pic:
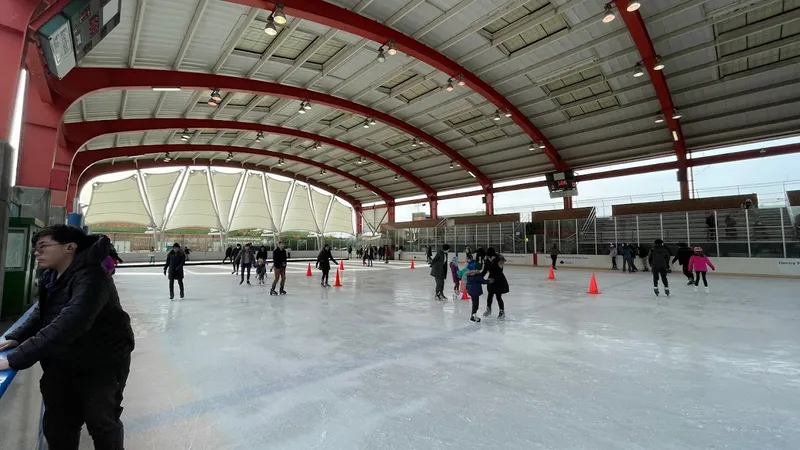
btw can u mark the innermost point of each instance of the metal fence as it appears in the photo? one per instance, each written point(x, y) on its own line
point(507, 237)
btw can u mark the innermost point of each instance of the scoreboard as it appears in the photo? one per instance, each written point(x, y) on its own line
point(562, 184)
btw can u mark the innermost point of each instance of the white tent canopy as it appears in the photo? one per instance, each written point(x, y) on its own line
point(206, 198)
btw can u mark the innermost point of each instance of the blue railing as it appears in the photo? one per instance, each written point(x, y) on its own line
point(7, 376)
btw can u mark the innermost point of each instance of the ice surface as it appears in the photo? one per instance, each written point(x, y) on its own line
point(378, 364)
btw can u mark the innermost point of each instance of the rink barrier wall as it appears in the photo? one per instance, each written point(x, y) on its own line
point(764, 267)
point(143, 257)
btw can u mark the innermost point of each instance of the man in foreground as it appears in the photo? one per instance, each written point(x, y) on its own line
point(81, 336)
point(279, 260)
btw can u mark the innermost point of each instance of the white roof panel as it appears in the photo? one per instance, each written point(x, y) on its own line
point(195, 207)
point(299, 215)
point(159, 187)
point(340, 219)
point(252, 212)
point(117, 201)
point(225, 185)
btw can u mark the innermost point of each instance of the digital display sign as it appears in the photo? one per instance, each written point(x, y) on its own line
point(562, 184)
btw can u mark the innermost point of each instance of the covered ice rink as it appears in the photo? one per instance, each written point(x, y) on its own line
point(379, 364)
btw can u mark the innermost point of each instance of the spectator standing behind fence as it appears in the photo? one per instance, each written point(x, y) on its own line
point(82, 338)
point(711, 224)
point(730, 227)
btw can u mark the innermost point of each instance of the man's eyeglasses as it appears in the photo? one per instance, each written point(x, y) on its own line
point(39, 248)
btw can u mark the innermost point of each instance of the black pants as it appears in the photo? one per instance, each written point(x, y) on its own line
point(500, 303)
point(687, 273)
point(613, 262)
point(227, 257)
point(475, 303)
point(246, 267)
point(439, 285)
point(325, 273)
point(94, 398)
point(172, 286)
point(697, 278)
point(662, 272)
point(235, 267)
point(554, 258)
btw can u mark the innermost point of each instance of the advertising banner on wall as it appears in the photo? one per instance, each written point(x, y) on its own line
point(789, 267)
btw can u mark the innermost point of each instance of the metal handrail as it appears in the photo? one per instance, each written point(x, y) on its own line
point(7, 376)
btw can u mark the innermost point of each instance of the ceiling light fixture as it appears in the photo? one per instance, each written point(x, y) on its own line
point(609, 14)
point(449, 87)
point(360, 160)
point(259, 136)
point(230, 157)
point(508, 113)
point(322, 172)
point(658, 65)
point(633, 5)
point(185, 135)
point(414, 142)
point(215, 95)
point(532, 147)
point(302, 110)
point(674, 135)
point(638, 71)
point(212, 102)
point(317, 146)
point(460, 79)
point(496, 115)
point(167, 158)
point(452, 166)
point(307, 105)
point(381, 56)
point(372, 121)
point(270, 27)
point(541, 145)
point(366, 124)
point(676, 114)
point(357, 186)
point(391, 50)
point(659, 118)
point(396, 177)
point(278, 15)
point(166, 89)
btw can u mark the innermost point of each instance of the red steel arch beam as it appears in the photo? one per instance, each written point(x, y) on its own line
point(333, 16)
point(79, 133)
point(83, 81)
point(88, 157)
point(640, 36)
point(103, 169)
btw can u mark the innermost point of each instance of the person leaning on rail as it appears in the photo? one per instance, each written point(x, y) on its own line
point(80, 335)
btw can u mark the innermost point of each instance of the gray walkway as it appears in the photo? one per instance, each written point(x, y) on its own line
point(377, 364)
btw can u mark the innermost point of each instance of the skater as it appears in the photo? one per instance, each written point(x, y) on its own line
point(499, 285)
point(659, 261)
point(324, 264)
point(439, 271)
point(261, 270)
point(643, 252)
point(683, 256)
point(173, 268)
point(228, 254)
point(428, 254)
point(370, 255)
point(349, 252)
point(279, 266)
point(613, 254)
point(81, 337)
point(234, 261)
point(468, 252)
point(381, 251)
point(262, 253)
point(247, 258)
point(699, 263)
point(474, 286)
point(480, 255)
point(152, 255)
point(627, 258)
point(553, 255)
point(454, 271)
point(387, 253)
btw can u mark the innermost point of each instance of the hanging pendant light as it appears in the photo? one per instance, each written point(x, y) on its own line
point(609, 14)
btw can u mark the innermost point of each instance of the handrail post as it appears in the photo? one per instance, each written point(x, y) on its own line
point(747, 230)
point(638, 239)
point(688, 233)
point(596, 250)
point(544, 241)
point(661, 224)
point(577, 239)
point(559, 234)
point(615, 231)
point(716, 233)
point(783, 235)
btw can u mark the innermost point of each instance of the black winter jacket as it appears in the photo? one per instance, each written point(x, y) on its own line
point(324, 260)
point(279, 258)
point(78, 324)
point(174, 265)
point(683, 255)
point(659, 257)
point(494, 267)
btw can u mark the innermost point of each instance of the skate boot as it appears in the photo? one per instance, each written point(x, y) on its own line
point(475, 318)
point(690, 282)
point(707, 290)
point(273, 292)
point(695, 289)
point(248, 283)
point(240, 283)
point(655, 290)
point(666, 291)
point(322, 284)
point(502, 315)
point(282, 292)
point(488, 312)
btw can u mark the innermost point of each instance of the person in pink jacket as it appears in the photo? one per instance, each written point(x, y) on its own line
point(699, 264)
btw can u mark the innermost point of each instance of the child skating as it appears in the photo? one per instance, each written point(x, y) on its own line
point(699, 264)
point(454, 272)
point(659, 262)
point(261, 271)
point(474, 286)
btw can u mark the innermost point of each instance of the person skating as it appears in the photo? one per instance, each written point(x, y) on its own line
point(173, 269)
point(387, 253)
point(474, 286)
point(279, 261)
point(439, 271)
point(699, 264)
point(643, 252)
point(262, 253)
point(480, 254)
point(261, 270)
point(324, 264)
point(80, 335)
point(228, 254)
point(349, 252)
point(612, 252)
point(247, 259)
point(234, 254)
point(454, 271)
point(553, 255)
point(428, 254)
point(499, 285)
point(468, 253)
point(659, 262)
point(683, 256)
point(370, 255)
point(152, 255)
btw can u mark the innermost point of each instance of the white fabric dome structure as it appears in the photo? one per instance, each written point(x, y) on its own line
point(202, 197)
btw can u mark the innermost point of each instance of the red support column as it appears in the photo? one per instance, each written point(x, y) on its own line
point(489, 202)
point(359, 219)
point(390, 213)
point(14, 19)
point(567, 202)
point(434, 207)
point(44, 159)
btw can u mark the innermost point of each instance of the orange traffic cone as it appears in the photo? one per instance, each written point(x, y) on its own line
point(593, 285)
point(551, 275)
point(308, 272)
point(338, 282)
point(341, 265)
point(463, 288)
point(412, 264)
